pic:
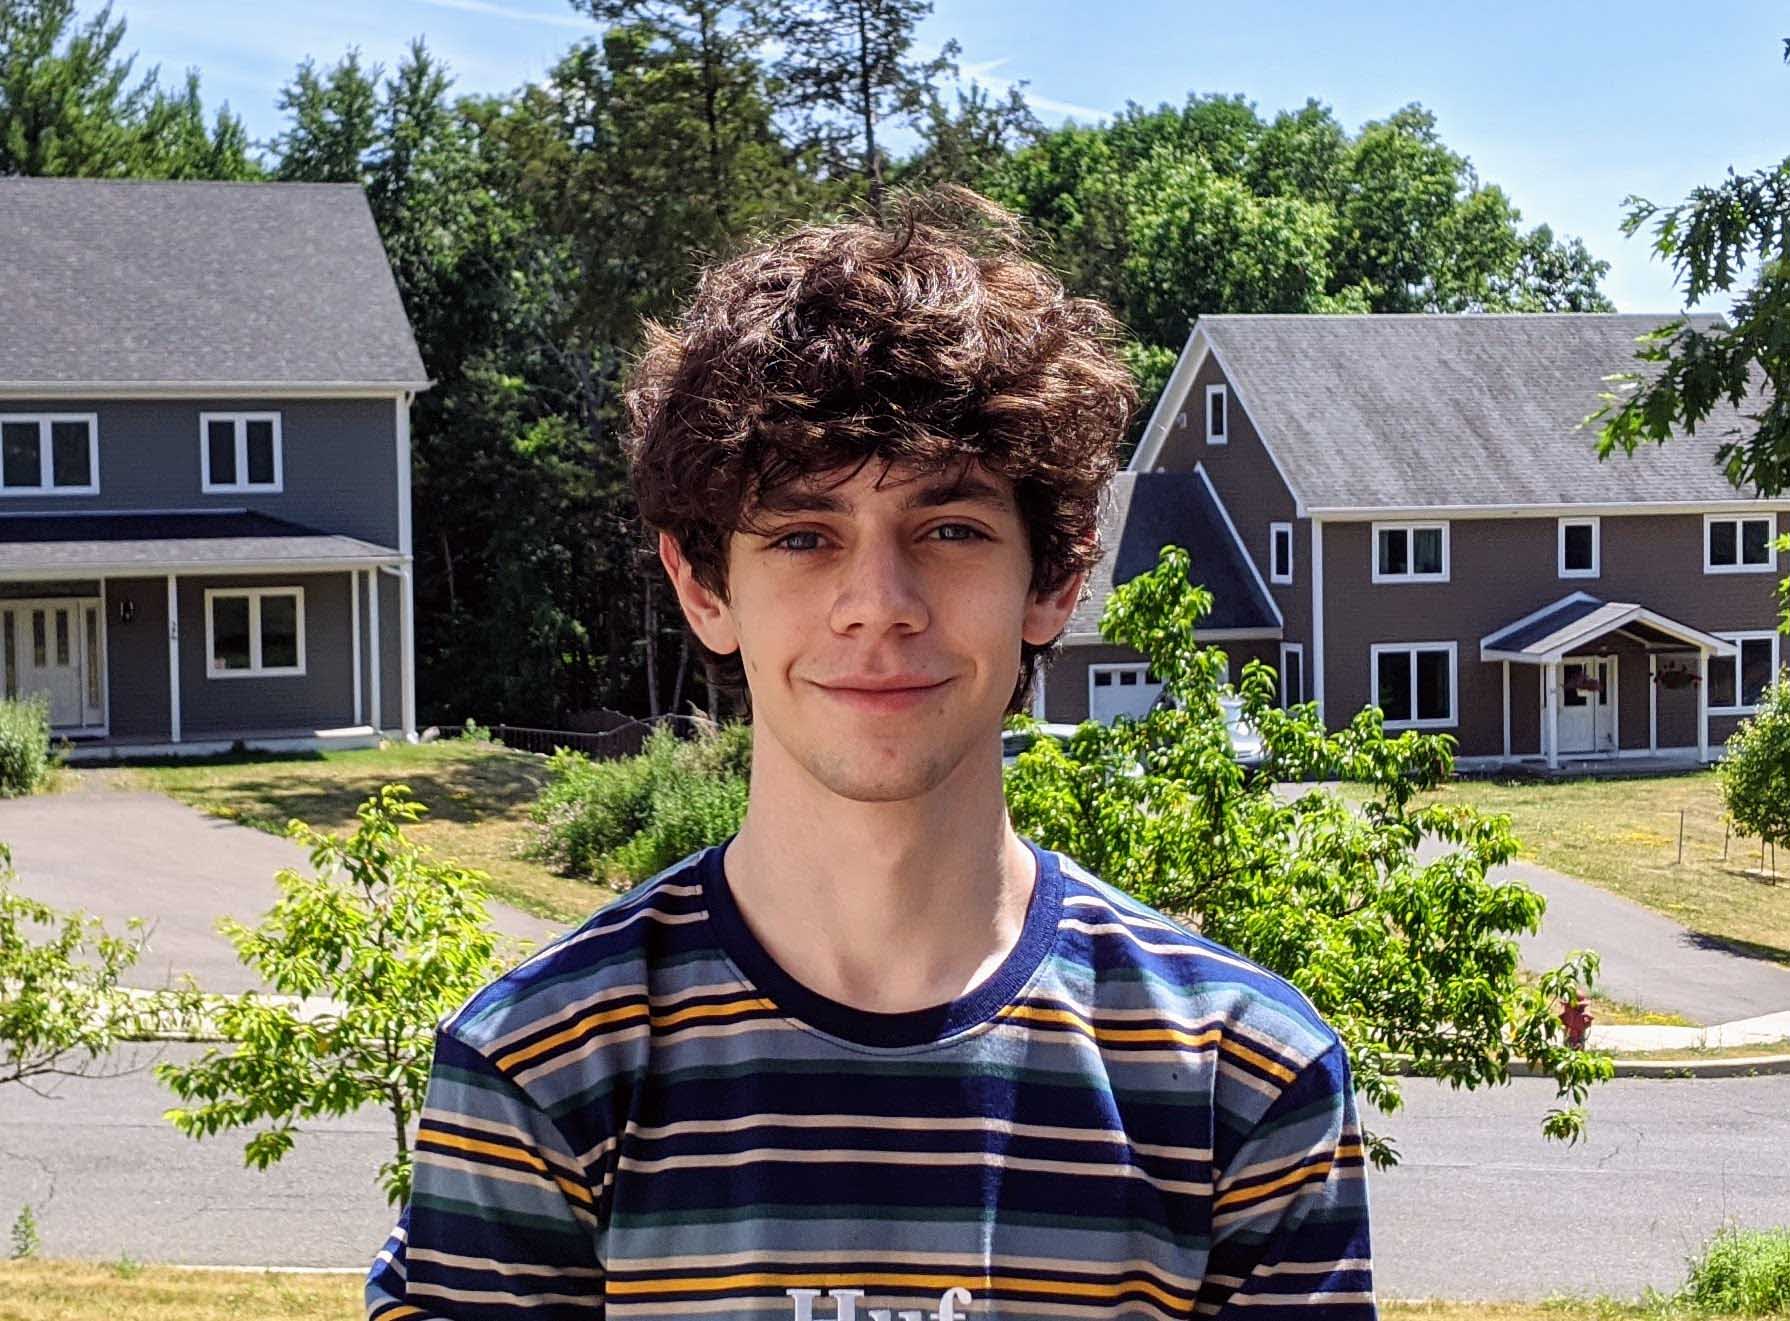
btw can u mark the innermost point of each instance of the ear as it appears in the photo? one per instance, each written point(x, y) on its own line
point(1047, 614)
point(708, 614)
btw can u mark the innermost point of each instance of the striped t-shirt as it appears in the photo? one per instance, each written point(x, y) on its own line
point(649, 1118)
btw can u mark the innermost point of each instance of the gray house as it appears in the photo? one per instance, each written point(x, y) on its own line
point(1404, 511)
point(205, 532)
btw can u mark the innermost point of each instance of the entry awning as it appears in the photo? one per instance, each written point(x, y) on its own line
point(1574, 622)
point(42, 546)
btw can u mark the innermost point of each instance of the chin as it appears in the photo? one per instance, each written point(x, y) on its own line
point(854, 778)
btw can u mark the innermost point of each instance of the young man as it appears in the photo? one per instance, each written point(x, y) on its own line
point(877, 1056)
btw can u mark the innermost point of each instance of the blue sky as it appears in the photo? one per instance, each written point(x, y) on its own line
point(1569, 106)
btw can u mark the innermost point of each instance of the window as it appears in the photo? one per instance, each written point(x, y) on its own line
point(1217, 415)
point(92, 639)
point(1292, 673)
point(254, 631)
point(1413, 683)
point(1735, 682)
point(49, 454)
point(239, 452)
point(1579, 547)
point(1739, 544)
point(1280, 552)
point(1410, 552)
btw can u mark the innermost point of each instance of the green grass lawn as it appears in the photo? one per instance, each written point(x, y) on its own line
point(478, 796)
point(89, 1291)
point(1622, 835)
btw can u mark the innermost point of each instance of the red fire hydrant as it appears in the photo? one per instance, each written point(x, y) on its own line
point(1576, 1015)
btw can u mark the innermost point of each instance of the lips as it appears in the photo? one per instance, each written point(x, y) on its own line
point(895, 693)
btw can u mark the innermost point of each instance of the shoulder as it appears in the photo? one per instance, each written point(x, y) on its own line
point(1131, 956)
point(607, 959)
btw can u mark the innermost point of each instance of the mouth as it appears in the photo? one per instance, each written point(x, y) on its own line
point(884, 699)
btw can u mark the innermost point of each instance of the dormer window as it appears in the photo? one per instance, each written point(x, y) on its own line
point(1217, 415)
point(239, 452)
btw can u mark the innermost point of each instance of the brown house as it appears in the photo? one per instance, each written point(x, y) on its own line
point(1405, 511)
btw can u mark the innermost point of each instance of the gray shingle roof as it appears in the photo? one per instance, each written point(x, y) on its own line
point(1583, 618)
point(36, 543)
point(134, 282)
point(1421, 410)
point(1147, 511)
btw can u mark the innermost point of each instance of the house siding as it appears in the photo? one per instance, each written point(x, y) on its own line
point(339, 461)
point(1503, 569)
point(1066, 682)
point(1254, 494)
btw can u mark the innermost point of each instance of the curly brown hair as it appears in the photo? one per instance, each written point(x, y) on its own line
point(928, 342)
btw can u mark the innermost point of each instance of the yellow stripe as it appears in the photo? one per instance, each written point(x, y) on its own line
point(935, 1283)
point(1139, 1035)
point(1262, 1190)
point(478, 1148)
point(627, 1013)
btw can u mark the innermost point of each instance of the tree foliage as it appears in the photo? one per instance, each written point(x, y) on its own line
point(1754, 772)
point(386, 942)
point(66, 109)
point(1713, 239)
point(62, 1008)
point(1403, 957)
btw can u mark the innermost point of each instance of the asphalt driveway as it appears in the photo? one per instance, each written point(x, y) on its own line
point(122, 854)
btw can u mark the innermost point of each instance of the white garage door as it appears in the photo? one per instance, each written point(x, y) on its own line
point(1120, 690)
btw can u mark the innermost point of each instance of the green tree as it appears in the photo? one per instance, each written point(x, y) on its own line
point(845, 66)
point(63, 1009)
point(335, 122)
point(391, 942)
point(66, 108)
point(1713, 239)
point(1403, 957)
point(1754, 772)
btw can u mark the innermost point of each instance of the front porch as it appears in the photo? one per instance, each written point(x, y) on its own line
point(192, 634)
point(1583, 652)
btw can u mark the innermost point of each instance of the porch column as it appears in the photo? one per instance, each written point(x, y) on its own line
point(1553, 706)
point(1702, 706)
point(407, 654)
point(1653, 702)
point(373, 643)
point(1506, 665)
point(354, 637)
point(173, 661)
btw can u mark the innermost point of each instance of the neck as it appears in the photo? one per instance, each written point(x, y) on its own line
point(882, 906)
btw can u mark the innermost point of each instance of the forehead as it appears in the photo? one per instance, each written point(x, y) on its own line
point(845, 491)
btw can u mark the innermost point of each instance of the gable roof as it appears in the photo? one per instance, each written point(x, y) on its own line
point(1421, 411)
point(123, 283)
point(1580, 619)
point(1144, 512)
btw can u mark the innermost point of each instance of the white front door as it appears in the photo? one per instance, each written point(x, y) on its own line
point(47, 651)
point(1588, 704)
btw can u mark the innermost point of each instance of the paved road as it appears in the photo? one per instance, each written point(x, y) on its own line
point(1647, 959)
point(1482, 1206)
point(121, 854)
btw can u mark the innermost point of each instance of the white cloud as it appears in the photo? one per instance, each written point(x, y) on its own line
point(507, 11)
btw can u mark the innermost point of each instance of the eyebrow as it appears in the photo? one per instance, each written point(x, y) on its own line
point(964, 490)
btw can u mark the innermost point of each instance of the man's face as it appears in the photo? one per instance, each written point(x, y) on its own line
point(880, 629)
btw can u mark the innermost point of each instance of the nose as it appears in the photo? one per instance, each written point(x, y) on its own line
point(880, 588)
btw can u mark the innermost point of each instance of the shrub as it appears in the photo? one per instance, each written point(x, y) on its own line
point(24, 744)
point(1742, 1273)
point(1755, 772)
point(624, 819)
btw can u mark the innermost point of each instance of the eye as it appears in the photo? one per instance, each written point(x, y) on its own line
point(975, 533)
point(794, 550)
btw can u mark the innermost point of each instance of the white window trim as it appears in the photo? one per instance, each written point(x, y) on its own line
point(1295, 649)
point(256, 670)
point(1771, 543)
point(1737, 638)
point(45, 466)
point(1597, 547)
point(1374, 551)
point(1377, 649)
point(243, 484)
point(1282, 579)
point(1221, 437)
